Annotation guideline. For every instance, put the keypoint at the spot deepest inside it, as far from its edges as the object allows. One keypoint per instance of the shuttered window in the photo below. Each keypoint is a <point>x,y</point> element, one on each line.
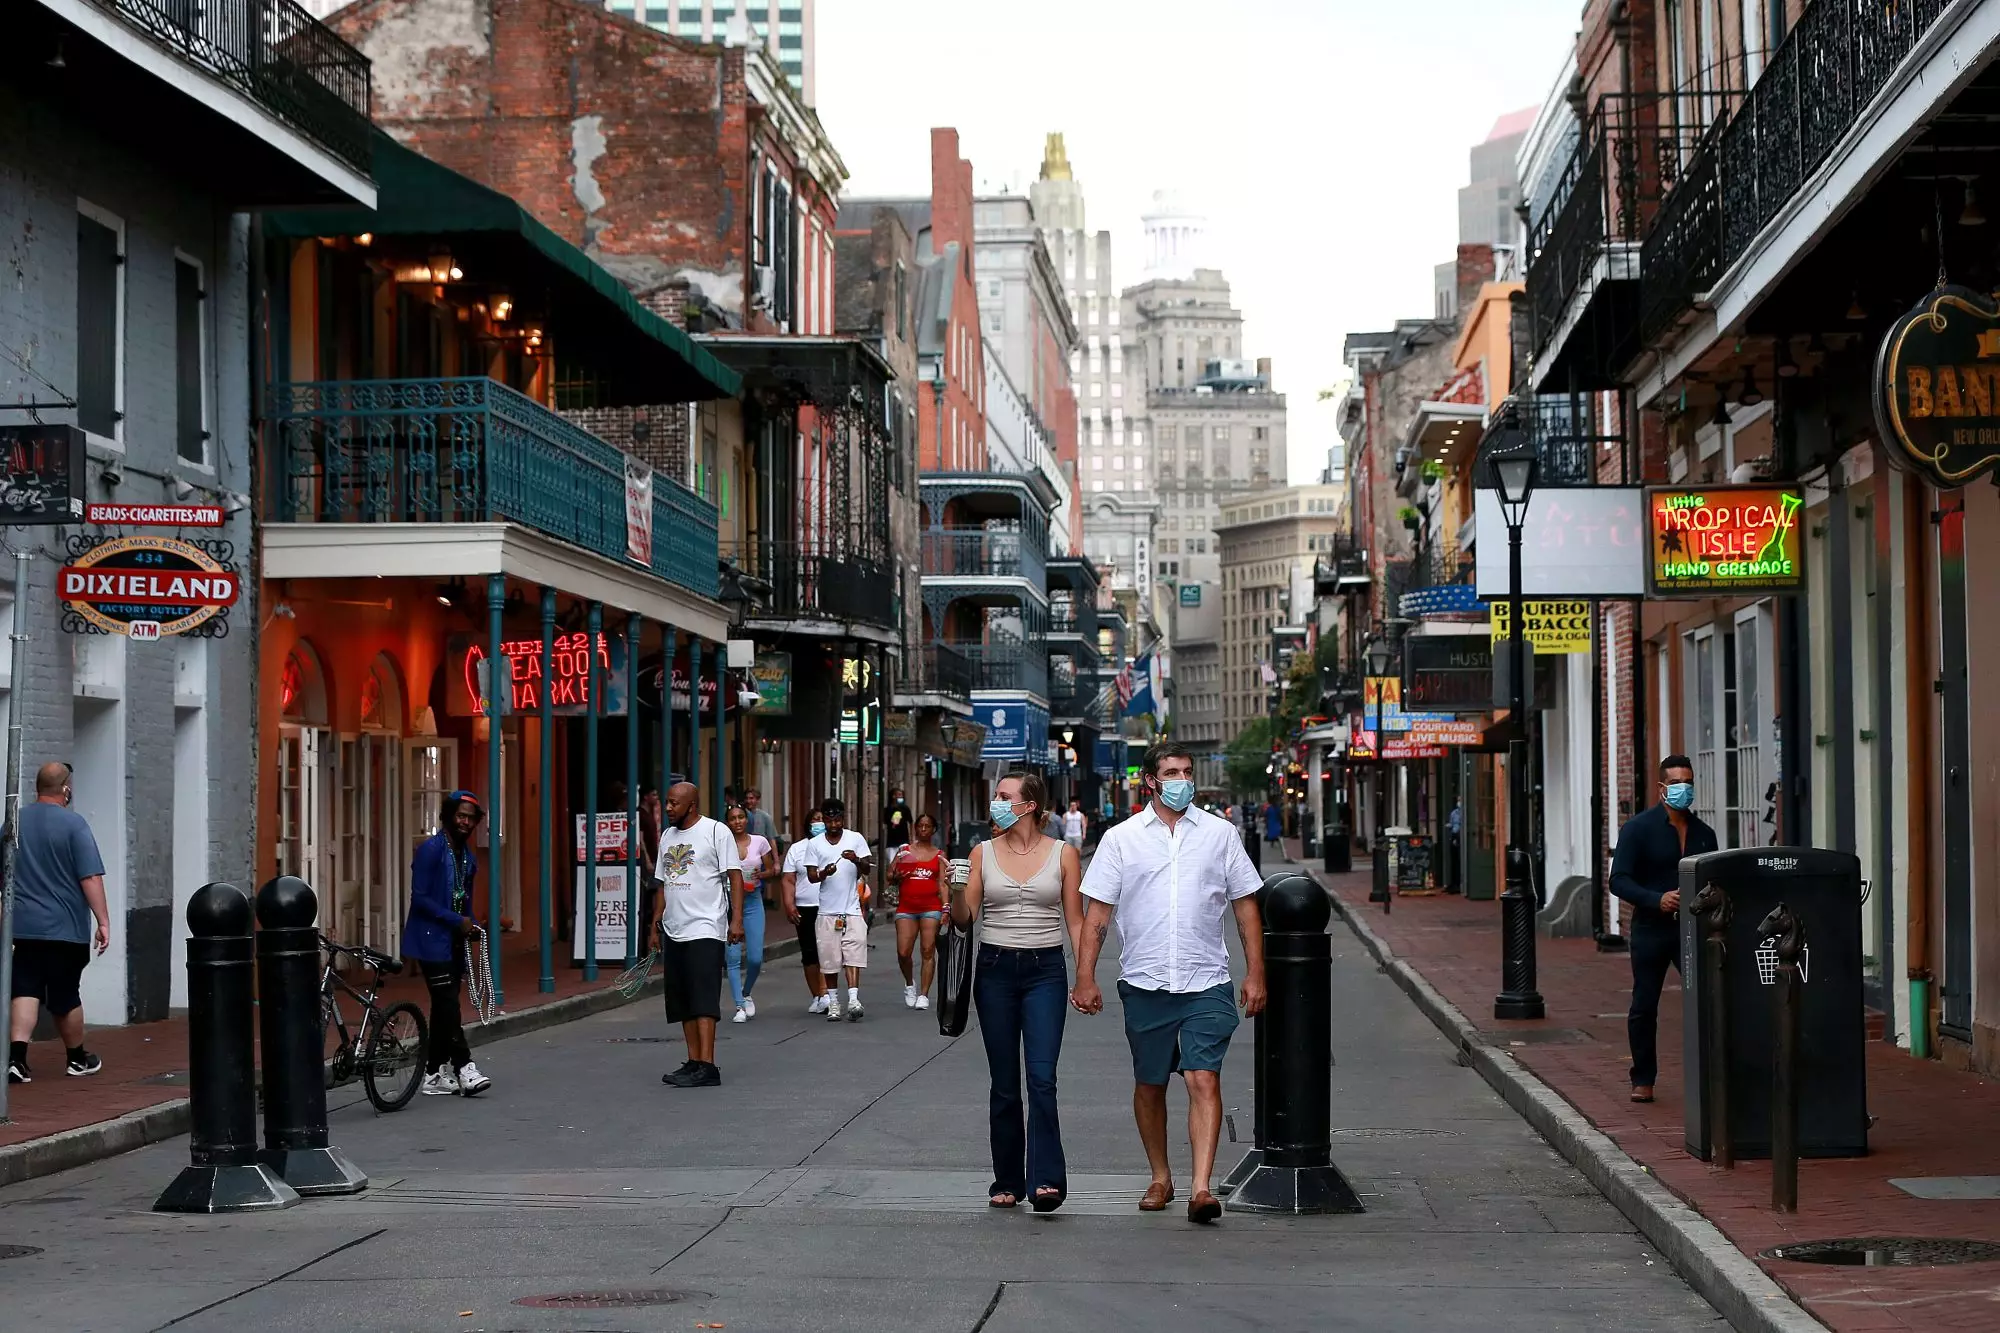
<point>190,425</point>
<point>97,326</point>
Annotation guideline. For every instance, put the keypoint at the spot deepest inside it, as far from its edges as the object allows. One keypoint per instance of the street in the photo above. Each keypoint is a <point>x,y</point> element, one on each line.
<point>837,1179</point>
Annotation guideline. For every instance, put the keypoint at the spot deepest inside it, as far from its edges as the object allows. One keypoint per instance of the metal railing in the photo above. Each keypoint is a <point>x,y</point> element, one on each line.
<point>274,52</point>
<point>986,552</point>
<point>948,671</point>
<point>1567,439</point>
<point>1006,663</point>
<point>470,450</point>
<point>1083,700</point>
<point>808,583</point>
<point>1073,617</point>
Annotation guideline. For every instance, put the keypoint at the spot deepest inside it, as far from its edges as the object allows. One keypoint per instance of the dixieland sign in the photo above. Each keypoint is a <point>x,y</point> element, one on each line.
<point>1937,387</point>
<point>145,587</point>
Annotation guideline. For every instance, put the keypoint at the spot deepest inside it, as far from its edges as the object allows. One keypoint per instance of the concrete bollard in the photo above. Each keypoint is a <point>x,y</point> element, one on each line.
<point>1295,1173</point>
<point>288,973</point>
<point>223,1174</point>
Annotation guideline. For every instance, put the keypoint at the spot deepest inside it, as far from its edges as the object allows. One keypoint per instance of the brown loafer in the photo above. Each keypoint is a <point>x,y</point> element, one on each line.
<point>1157,1197</point>
<point>1642,1093</point>
<point>1204,1207</point>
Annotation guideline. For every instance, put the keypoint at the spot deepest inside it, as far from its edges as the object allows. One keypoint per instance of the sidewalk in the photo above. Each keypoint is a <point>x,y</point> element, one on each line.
<point>1932,1121</point>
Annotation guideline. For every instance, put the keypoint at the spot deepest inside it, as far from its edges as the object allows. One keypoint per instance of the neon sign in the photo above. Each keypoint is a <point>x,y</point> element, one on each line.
<point>567,680</point>
<point>1704,540</point>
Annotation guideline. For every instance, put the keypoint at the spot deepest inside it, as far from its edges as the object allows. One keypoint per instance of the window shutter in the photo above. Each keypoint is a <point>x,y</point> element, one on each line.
<point>191,441</point>
<point>96,326</point>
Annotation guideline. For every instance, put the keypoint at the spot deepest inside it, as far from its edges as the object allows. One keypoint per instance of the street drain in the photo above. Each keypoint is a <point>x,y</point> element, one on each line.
<point>1887,1251</point>
<point>610,1300</point>
<point>18,1251</point>
<point>1396,1133</point>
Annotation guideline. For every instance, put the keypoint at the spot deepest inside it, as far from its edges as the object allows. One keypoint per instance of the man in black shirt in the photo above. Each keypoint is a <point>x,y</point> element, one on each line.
<point>1645,871</point>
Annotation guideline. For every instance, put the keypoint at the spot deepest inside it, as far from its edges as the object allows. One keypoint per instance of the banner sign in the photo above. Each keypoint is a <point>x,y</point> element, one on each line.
<point>1937,388</point>
<point>638,512</point>
<point>1705,541</point>
<point>43,479</point>
<point>1553,627</point>
<point>148,587</point>
<point>899,728</point>
<point>154,516</point>
<point>771,676</point>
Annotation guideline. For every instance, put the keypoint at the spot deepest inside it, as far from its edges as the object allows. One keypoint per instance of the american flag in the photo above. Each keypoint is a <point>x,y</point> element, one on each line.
<point>1125,686</point>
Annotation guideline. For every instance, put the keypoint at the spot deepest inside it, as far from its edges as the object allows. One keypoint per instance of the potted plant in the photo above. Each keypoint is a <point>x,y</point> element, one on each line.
<point>1411,518</point>
<point>1433,470</point>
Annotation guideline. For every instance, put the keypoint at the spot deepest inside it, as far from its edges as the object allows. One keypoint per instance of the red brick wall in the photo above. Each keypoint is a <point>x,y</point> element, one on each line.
<point>963,404</point>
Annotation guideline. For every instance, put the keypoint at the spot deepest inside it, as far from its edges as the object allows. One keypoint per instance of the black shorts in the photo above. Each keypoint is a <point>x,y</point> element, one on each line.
<point>693,973</point>
<point>50,971</point>
<point>808,941</point>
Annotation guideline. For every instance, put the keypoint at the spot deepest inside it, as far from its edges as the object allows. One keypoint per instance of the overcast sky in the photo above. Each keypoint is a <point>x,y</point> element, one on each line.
<point>1324,138</point>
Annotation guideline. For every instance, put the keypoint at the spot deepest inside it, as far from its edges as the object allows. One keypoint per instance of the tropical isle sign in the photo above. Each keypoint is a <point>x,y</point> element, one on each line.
<point>1937,388</point>
<point>1708,541</point>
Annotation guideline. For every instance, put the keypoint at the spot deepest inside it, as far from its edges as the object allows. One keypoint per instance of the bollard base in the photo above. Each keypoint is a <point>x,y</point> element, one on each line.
<point>313,1171</point>
<point>1295,1189</point>
<point>1243,1171</point>
<point>226,1189</point>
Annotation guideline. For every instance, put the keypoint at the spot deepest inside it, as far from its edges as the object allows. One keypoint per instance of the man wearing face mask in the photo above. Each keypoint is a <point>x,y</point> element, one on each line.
<point>801,903</point>
<point>1645,871</point>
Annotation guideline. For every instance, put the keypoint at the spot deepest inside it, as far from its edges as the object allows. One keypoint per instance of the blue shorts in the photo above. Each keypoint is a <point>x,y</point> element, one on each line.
<point>1171,1032</point>
<point>919,916</point>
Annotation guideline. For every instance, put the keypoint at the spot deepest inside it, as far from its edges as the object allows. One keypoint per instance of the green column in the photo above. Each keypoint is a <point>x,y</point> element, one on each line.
<point>592,702</point>
<point>632,850</point>
<point>547,981</point>
<point>499,685</point>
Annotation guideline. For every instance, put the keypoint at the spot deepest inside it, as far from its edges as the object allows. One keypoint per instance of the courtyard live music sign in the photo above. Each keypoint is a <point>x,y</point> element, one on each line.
<point>148,587</point>
<point>1702,541</point>
<point>1937,388</point>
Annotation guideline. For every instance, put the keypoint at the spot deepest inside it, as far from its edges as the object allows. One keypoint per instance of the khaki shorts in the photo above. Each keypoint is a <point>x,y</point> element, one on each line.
<point>841,948</point>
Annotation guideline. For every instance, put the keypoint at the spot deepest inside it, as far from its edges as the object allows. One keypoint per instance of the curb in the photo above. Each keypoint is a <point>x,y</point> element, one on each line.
<point>1710,1262</point>
<point>70,1148</point>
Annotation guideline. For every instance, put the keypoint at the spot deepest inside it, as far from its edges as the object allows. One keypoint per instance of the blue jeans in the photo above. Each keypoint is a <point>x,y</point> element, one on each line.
<point>746,960</point>
<point>1022,996</point>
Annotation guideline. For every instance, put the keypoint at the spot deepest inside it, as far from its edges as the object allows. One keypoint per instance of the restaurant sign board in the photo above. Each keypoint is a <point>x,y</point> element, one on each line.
<point>148,587</point>
<point>1708,541</point>
<point>1937,387</point>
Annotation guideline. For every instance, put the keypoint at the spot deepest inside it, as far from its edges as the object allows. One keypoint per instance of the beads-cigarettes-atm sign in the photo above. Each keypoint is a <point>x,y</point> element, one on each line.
<point>1706,541</point>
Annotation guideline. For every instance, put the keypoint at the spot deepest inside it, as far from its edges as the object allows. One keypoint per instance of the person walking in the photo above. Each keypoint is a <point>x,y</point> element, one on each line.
<point>760,818</point>
<point>1023,888</point>
<point>701,911</point>
<point>744,960</point>
<point>800,897</point>
<point>58,891</point>
<point>435,935</point>
<point>918,871</point>
<point>1170,875</point>
<point>837,861</point>
<point>1075,825</point>
<point>897,823</point>
<point>1274,822</point>
<point>1645,871</point>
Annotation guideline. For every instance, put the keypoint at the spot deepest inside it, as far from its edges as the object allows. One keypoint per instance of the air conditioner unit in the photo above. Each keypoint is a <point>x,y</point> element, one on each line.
<point>766,281</point>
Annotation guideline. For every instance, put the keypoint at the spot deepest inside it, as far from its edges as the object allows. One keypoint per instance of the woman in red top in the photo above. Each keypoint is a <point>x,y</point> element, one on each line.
<point>919,872</point>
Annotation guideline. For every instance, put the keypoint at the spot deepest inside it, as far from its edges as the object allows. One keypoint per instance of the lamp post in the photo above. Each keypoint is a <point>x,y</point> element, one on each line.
<point>948,732</point>
<point>1513,470</point>
<point>1381,655</point>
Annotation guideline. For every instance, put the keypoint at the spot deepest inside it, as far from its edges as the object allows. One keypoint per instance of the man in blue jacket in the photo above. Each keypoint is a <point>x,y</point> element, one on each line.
<point>1645,871</point>
<point>440,922</point>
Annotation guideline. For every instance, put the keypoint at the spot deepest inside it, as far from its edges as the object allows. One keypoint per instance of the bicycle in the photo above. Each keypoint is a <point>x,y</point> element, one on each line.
<point>388,1049</point>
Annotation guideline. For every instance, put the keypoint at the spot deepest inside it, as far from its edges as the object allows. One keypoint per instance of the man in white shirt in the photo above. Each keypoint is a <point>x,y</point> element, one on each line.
<point>1172,873</point>
<point>838,863</point>
<point>701,907</point>
<point>801,900</point>
<point>1075,825</point>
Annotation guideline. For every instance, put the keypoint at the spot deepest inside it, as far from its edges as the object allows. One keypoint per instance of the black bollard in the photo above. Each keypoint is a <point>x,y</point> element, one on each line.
<point>1791,940</point>
<point>288,972</point>
<point>223,1174</point>
<point>1253,1159</point>
<point>1253,847</point>
<point>1711,908</point>
<point>1295,1171</point>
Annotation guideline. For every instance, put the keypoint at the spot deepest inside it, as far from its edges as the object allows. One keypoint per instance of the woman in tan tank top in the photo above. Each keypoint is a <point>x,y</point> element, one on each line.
<point>1024,888</point>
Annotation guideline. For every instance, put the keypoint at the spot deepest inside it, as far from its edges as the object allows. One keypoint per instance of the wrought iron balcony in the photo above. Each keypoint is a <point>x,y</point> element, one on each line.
<point>984,552</point>
<point>810,584</point>
<point>1083,700</point>
<point>1566,436</point>
<point>1006,663</point>
<point>948,671</point>
<point>470,451</point>
<point>273,52</point>
<point>1752,162</point>
<point>1073,619</point>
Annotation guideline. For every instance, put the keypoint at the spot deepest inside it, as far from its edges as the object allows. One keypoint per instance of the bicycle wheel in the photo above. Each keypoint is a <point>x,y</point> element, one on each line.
<point>394,1064</point>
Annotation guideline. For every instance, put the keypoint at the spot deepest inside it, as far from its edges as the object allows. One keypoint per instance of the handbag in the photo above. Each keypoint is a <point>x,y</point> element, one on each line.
<point>956,947</point>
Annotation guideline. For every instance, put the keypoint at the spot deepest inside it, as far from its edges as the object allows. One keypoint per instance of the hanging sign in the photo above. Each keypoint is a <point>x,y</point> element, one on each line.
<point>1448,673</point>
<point>41,475</point>
<point>154,516</point>
<point>1704,541</point>
<point>1553,627</point>
<point>1937,388</point>
<point>771,675</point>
<point>638,512</point>
<point>147,587</point>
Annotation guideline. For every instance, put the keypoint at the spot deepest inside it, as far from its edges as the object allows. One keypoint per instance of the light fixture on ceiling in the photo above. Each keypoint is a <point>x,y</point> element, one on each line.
<point>1782,357</point>
<point>56,61</point>
<point>503,306</point>
<point>1855,310</point>
<point>1749,394</point>
<point>1970,215</point>
<point>1720,417</point>
<point>365,238</point>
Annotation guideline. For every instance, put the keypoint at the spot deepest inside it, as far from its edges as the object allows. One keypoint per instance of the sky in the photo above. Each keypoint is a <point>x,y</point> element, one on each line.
<point>1324,139</point>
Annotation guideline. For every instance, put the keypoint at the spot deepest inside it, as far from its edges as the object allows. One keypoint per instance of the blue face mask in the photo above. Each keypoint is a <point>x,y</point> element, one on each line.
<point>1002,814</point>
<point>1177,793</point>
<point>818,829</point>
<point>1680,795</point>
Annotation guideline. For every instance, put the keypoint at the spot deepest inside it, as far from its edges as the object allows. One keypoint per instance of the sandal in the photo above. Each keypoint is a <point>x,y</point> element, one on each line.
<point>1001,1199</point>
<point>1047,1199</point>
<point>1158,1195</point>
<point>1204,1207</point>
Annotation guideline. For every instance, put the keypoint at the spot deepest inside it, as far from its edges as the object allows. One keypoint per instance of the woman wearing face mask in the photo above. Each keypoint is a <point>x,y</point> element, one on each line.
<point>744,961</point>
<point>801,899</point>
<point>1023,886</point>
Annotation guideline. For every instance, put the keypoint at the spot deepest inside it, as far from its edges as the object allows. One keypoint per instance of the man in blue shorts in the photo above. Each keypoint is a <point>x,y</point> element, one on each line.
<point>1172,873</point>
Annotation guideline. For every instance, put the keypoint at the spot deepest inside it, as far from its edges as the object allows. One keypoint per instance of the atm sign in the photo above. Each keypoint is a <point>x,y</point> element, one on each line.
<point>1728,540</point>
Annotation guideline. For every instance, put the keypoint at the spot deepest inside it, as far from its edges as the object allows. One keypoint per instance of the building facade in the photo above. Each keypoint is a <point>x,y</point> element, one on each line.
<point>1270,542</point>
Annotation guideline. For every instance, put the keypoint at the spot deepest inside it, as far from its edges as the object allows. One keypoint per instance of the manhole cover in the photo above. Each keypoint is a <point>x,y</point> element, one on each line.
<point>18,1251</point>
<point>1396,1133</point>
<point>1887,1251</point>
<point>609,1300</point>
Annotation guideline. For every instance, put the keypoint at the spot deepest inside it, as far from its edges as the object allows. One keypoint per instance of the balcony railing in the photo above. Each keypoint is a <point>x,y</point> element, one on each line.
<point>1073,618</point>
<point>1003,663</point>
<point>1813,92</point>
<point>471,451</point>
<point>1077,699</point>
<point>1567,438</point>
<point>948,671</point>
<point>989,552</point>
<point>807,583</point>
<point>274,52</point>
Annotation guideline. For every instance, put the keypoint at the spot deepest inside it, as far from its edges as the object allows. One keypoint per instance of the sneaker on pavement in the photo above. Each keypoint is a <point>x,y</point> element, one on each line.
<point>17,1072</point>
<point>84,1065</point>
<point>909,997</point>
<point>440,1083</point>
<point>923,1002</point>
<point>682,1077</point>
<point>740,1016</point>
<point>749,1007</point>
<point>703,1076</point>
<point>854,1011</point>
<point>470,1081</point>
<point>818,1006</point>
<point>832,1009</point>
<point>686,1065</point>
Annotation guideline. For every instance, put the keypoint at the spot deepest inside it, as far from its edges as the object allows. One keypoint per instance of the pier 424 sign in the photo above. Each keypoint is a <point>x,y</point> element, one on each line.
<point>1708,541</point>
<point>1937,388</point>
<point>148,587</point>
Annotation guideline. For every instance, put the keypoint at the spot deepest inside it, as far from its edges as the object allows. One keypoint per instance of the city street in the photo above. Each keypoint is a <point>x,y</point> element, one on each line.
<point>837,1179</point>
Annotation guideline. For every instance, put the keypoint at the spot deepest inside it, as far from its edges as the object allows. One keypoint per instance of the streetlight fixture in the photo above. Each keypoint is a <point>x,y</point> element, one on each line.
<point>1514,468</point>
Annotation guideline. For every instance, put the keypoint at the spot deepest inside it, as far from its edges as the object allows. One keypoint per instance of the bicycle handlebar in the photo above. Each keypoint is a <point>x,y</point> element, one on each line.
<point>368,957</point>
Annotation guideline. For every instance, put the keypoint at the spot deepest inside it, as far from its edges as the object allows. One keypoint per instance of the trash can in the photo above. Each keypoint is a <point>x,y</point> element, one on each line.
<point>1823,889</point>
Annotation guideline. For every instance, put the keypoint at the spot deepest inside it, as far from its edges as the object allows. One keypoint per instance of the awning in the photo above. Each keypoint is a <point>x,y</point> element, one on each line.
<point>591,314</point>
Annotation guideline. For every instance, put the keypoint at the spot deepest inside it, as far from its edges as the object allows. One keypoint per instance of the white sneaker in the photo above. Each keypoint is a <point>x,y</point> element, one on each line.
<point>470,1081</point>
<point>818,1006</point>
<point>853,1007</point>
<point>749,1007</point>
<point>923,1002</point>
<point>740,1017</point>
<point>832,1008</point>
<point>909,997</point>
<point>443,1083</point>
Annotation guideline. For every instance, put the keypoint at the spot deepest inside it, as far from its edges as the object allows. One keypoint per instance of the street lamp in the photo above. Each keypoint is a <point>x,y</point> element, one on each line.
<point>1513,469</point>
<point>1381,656</point>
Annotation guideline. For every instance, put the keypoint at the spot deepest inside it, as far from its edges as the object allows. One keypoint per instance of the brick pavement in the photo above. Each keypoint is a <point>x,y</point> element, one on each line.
<point>1932,1121</point>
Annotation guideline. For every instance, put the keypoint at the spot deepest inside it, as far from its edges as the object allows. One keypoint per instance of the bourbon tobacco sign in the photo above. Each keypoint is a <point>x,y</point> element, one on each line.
<point>1937,388</point>
<point>1706,541</point>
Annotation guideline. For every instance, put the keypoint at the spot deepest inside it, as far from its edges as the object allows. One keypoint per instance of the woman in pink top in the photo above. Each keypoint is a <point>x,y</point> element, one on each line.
<point>760,865</point>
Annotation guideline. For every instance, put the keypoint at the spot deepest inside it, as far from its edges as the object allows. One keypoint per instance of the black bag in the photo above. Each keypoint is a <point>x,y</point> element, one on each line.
<point>956,946</point>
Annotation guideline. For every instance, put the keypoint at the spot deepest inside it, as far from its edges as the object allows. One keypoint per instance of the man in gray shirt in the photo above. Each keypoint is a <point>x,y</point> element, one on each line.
<point>58,888</point>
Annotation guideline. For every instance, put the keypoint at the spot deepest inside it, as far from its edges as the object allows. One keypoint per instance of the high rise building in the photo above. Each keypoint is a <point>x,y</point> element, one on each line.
<point>786,26</point>
<point>1486,205</point>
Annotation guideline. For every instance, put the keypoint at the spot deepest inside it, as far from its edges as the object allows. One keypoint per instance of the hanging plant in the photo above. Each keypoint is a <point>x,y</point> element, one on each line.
<point>1433,470</point>
<point>1411,518</point>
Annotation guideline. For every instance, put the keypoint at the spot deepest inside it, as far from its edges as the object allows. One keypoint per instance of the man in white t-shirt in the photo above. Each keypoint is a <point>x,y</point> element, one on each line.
<point>838,864</point>
<point>1075,822</point>
<point>801,900</point>
<point>701,908</point>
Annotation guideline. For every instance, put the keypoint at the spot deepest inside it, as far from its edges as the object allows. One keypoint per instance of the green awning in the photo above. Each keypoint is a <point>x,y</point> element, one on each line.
<point>497,240</point>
